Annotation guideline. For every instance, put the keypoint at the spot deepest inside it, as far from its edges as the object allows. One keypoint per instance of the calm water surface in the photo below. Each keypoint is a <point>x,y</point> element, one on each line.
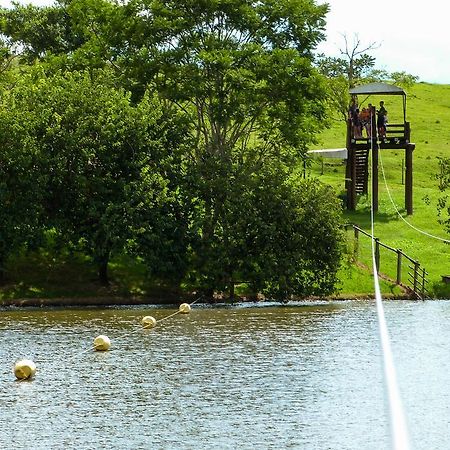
<point>242,377</point>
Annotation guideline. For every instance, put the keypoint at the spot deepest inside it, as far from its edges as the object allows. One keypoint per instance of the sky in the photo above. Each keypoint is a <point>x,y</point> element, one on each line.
<point>411,36</point>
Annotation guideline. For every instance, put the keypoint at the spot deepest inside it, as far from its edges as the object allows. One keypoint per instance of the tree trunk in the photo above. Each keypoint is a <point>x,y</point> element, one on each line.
<point>232,293</point>
<point>102,266</point>
<point>2,271</point>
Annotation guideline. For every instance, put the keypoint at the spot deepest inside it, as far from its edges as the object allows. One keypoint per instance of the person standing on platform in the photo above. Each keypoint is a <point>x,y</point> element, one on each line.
<point>364,118</point>
<point>353,115</point>
<point>381,121</point>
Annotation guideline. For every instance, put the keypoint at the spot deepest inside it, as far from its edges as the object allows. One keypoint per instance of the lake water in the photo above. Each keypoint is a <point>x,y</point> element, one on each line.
<point>301,376</point>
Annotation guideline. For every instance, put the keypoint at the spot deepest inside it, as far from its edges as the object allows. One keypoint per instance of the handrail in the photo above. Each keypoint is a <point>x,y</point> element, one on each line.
<point>419,274</point>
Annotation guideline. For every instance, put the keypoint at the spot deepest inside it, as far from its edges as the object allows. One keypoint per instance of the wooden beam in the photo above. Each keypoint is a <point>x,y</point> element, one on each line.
<point>409,178</point>
<point>375,151</point>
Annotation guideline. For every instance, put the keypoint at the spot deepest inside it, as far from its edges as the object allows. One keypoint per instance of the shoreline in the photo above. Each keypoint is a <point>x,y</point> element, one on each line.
<point>68,302</point>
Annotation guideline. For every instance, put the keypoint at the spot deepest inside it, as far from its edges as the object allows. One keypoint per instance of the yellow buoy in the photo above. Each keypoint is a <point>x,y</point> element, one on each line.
<point>148,322</point>
<point>185,308</point>
<point>102,343</point>
<point>24,369</point>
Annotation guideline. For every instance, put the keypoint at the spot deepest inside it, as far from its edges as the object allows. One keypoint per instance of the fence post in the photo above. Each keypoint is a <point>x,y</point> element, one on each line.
<point>356,246</point>
<point>416,272</point>
<point>399,266</point>
<point>377,254</point>
<point>423,281</point>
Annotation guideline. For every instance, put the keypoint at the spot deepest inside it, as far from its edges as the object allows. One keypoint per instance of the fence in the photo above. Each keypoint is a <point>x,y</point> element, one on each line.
<point>411,276</point>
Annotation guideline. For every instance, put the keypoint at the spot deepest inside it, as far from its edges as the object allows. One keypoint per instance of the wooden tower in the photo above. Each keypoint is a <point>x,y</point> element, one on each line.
<point>358,146</point>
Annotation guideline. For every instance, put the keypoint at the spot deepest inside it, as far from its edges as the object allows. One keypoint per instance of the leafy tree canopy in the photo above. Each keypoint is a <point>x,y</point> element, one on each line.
<point>241,75</point>
<point>103,161</point>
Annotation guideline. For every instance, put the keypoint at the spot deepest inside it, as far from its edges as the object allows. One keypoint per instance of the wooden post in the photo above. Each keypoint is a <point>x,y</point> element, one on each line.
<point>399,266</point>
<point>375,175</point>
<point>353,184</point>
<point>403,171</point>
<point>407,132</point>
<point>416,272</point>
<point>232,290</point>
<point>356,246</point>
<point>409,178</point>
<point>424,273</point>
<point>350,170</point>
<point>377,254</point>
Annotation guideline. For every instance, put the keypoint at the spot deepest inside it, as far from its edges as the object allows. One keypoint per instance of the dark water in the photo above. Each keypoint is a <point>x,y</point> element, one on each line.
<point>294,377</point>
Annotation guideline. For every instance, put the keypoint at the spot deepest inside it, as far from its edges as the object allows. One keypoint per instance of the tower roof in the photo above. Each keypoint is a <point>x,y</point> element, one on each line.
<point>377,89</point>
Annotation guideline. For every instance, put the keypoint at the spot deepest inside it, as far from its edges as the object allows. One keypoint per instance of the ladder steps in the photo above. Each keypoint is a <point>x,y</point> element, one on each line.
<point>361,153</point>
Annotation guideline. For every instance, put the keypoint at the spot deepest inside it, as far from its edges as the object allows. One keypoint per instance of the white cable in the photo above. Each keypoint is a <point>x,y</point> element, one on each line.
<point>399,430</point>
<point>399,214</point>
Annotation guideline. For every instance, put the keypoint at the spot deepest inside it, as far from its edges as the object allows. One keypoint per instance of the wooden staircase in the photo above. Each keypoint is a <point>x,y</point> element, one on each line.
<point>361,167</point>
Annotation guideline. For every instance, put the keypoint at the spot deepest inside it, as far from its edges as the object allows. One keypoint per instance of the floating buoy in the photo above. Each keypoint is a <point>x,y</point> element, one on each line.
<point>149,322</point>
<point>24,369</point>
<point>102,343</point>
<point>185,308</point>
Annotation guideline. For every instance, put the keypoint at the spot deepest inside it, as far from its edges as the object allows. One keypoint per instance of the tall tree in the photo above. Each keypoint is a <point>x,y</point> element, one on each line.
<point>241,74</point>
<point>103,158</point>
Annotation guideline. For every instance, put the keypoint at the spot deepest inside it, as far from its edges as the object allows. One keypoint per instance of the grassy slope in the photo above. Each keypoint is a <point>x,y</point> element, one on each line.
<point>429,114</point>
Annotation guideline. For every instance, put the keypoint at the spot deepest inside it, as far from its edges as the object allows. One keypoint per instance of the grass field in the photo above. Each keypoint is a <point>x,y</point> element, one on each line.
<point>428,111</point>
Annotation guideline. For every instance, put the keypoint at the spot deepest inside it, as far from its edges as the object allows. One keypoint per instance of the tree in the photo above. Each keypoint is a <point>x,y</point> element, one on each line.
<point>282,238</point>
<point>103,158</point>
<point>240,73</point>
<point>404,80</point>
<point>355,63</point>
<point>39,31</point>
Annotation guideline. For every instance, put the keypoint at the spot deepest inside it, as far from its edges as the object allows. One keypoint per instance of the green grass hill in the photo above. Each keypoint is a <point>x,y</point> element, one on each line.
<point>428,111</point>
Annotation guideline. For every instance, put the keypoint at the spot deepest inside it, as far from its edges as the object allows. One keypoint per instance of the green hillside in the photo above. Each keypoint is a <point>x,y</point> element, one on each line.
<point>428,111</point>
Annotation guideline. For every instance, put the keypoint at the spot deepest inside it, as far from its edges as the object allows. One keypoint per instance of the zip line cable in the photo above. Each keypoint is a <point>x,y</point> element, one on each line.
<point>399,430</point>
<point>447,241</point>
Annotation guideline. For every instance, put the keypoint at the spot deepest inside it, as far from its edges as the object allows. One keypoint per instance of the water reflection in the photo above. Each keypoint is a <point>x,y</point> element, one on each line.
<point>303,376</point>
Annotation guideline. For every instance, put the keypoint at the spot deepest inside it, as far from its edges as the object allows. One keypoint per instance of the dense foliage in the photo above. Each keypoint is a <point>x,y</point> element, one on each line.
<point>173,131</point>
<point>98,172</point>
